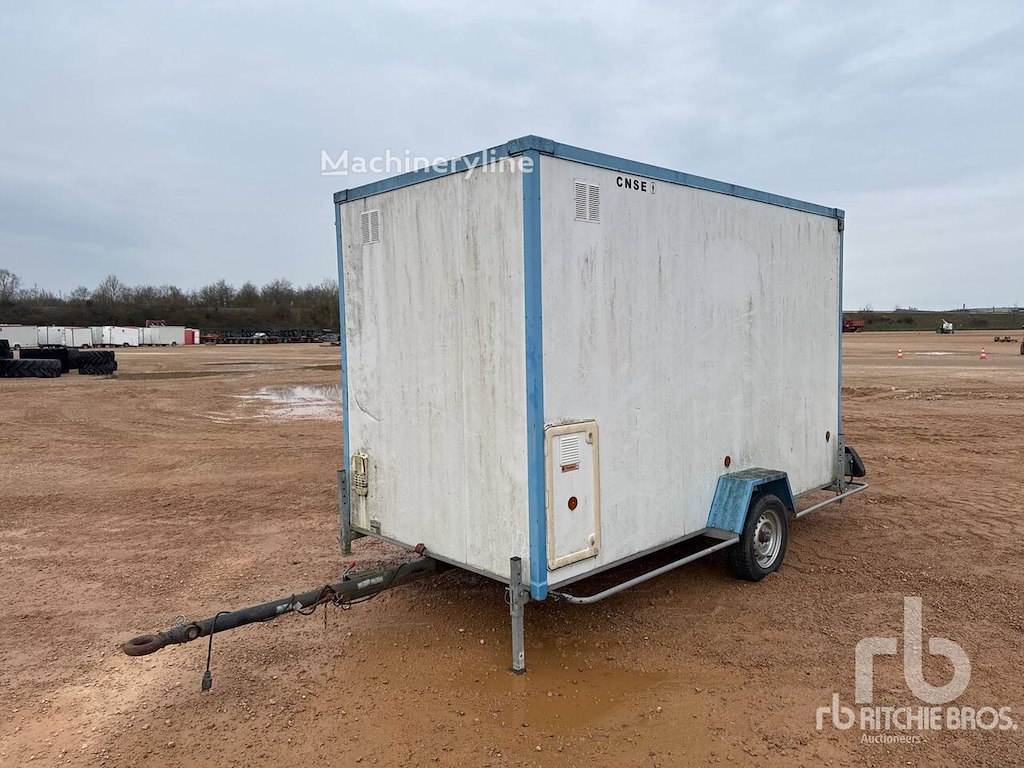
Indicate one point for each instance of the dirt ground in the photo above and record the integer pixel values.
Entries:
(175, 488)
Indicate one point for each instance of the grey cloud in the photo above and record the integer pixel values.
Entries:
(181, 143)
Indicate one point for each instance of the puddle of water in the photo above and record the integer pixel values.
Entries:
(321, 401)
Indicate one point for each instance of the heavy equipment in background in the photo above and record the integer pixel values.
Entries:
(853, 324)
(945, 328)
(555, 362)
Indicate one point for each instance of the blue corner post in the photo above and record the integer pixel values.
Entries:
(534, 374)
(347, 501)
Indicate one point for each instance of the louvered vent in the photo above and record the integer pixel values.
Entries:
(369, 226)
(569, 452)
(581, 200)
(587, 199)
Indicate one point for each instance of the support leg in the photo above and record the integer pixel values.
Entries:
(344, 514)
(518, 597)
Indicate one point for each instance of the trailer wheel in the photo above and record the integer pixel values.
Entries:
(29, 369)
(762, 544)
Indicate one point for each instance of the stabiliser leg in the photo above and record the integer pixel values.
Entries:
(518, 597)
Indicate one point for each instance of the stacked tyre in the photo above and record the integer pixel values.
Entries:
(29, 369)
(51, 362)
(61, 354)
(94, 362)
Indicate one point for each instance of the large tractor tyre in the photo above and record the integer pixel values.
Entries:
(61, 354)
(29, 369)
(102, 369)
(763, 542)
(93, 357)
(5, 350)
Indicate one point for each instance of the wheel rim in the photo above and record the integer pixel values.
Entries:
(767, 538)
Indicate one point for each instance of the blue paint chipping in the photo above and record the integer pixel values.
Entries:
(344, 350)
(735, 490)
(537, 144)
(534, 377)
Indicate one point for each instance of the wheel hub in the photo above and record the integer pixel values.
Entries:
(767, 538)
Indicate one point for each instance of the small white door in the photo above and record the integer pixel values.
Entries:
(573, 492)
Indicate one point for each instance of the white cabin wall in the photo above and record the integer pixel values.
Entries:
(691, 325)
(436, 366)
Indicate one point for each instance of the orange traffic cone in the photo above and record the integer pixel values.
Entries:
(982, 355)
(899, 354)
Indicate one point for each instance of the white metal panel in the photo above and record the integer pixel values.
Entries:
(691, 326)
(436, 365)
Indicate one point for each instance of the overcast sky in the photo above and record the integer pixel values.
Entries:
(181, 143)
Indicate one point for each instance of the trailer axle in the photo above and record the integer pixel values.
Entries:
(354, 587)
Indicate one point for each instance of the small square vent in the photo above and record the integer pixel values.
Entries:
(587, 201)
(569, 452)
(369, 226)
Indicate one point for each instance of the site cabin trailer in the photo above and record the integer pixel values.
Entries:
(19, 336)
(555, 361)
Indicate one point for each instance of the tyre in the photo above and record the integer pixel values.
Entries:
(5, 350)
(61, 354)
(93, 357)
(97, 369)
(762, 544)
(29, 369)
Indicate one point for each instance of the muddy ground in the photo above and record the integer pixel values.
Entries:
(175, 488)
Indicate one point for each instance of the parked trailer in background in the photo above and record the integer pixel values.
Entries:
(19, 336)
(167, 335)
(50, 335)
(192, 336)
(77, 337)
(121, 336)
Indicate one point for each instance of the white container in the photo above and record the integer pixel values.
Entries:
(96, 331)
(77, 337)
(19, 336)
(555, 354)
(169, 335)
(50, 334)
(163, 335)
(121, 336)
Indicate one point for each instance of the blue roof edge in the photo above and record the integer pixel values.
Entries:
(587, 157)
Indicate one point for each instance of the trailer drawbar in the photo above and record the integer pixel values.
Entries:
(354, 587)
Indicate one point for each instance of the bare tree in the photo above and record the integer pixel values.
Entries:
(10, 285)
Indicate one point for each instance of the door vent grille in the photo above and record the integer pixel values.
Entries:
(587, 201)
(369, 226)
(569, 452)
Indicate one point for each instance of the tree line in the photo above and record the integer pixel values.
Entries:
(276, 305)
